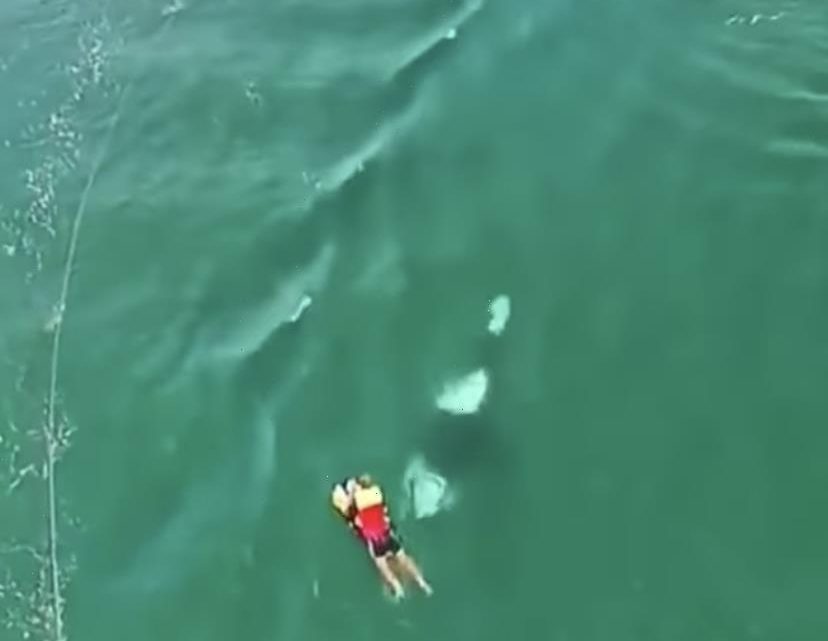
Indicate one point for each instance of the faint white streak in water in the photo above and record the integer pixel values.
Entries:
(806, 149)
(20, 475)
(176, 6)
(262, 457)
(753, 19)
(333, 178)
(444, 32)
(243, 332)
(805, 95)
(300, 308)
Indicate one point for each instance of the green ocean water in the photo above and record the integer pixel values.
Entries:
(645, 181)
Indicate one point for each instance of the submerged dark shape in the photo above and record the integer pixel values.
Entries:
(460, 445)
(463, 444)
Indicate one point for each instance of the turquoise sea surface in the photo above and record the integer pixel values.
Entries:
(554, 272)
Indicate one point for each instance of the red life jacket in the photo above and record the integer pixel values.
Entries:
(371, 519)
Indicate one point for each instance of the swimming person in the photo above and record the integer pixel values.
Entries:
(360, 501)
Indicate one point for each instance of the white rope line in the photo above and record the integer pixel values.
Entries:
(51, 431)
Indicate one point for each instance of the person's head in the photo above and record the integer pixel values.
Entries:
(365, 480)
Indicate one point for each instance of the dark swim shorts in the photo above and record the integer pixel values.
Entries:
(390, 544)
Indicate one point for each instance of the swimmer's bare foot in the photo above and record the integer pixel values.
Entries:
(396, 594)
(425, 587)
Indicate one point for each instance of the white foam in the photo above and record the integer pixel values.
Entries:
(427, 492)
(500, 309)
(174, 7)
(304, 303)
(464, 395)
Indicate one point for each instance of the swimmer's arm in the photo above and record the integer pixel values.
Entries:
(388, 519)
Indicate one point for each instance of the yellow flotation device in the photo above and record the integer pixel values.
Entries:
(366, 497)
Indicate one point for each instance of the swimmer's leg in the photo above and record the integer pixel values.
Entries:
(410, 568)
(389, 577)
